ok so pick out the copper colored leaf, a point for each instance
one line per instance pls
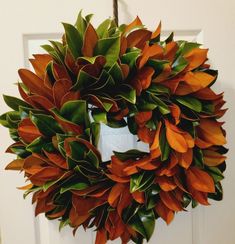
(200, 180)
(89, 42)
(16, 164)
(34, 83)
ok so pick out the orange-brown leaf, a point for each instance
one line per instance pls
(154, 51)
(200, 180)
(90, 40)
(39, 63)
(193, 82)
(195, 58)
(138, 38)
(185, 159)
(34, 83)
(135, 23)
(175, 112)
(32, 164)
(199, 196)
(164, 212)
(212, 158)
(157, 32)
(142, 117)
(166, 183)
(46, 174)
(101, 236)
(16, 164)
(146, 135)
(175, 139)
(115, 193)
(28, 131)
(170, 201)
(57, 159)
(60, 88)
(40, 102)
(170, 51)
(138, 196)
(211, 132)
(26, 187)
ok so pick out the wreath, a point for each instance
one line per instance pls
(120, 76)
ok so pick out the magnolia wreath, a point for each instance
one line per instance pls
(120, 76)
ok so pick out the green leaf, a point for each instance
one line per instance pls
(141, 181)
(90, 173)
(128, 93)
(208, 108)
(14, 102)
(53, 53)
(90, 60)
(198, 157)
(95, 131)
(158, 89)
(102, 30)
(130, 58)
(163, 108)
(110, 48)
(186, 47)
(130, 211)
(130, 154)
(186, 200)
(104, 102)
(3, 120)
(99, 116)
(216, 174)
(218, 195)
(190, 102)
(13, 119)
(116, 72)
(92, 158)
(116, 123)
(50, 72)
(37, 145)
(59, 49)
(73, 186)
(164, 146)
(48, 184)
(144, 105)
(10, 119)
(81, 24)
(157, 65)
(46, 124)
(179, 65)
(33, 189)
(132, 126)
(132, 110)
(14, 134)
(63, 223)
(152, 196)
(20, 151)
(76, 112)
(88, 18)
(105, 81)
(84, 80)
(78, 150)
(144, 223)
(74, 39)
(194, 203)
(170, 38)
(24, 112)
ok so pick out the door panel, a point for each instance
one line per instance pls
(28, 25)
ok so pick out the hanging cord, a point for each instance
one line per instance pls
(115, 11)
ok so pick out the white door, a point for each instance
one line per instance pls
(26, 24)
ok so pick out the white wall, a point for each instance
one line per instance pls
(215, 17)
